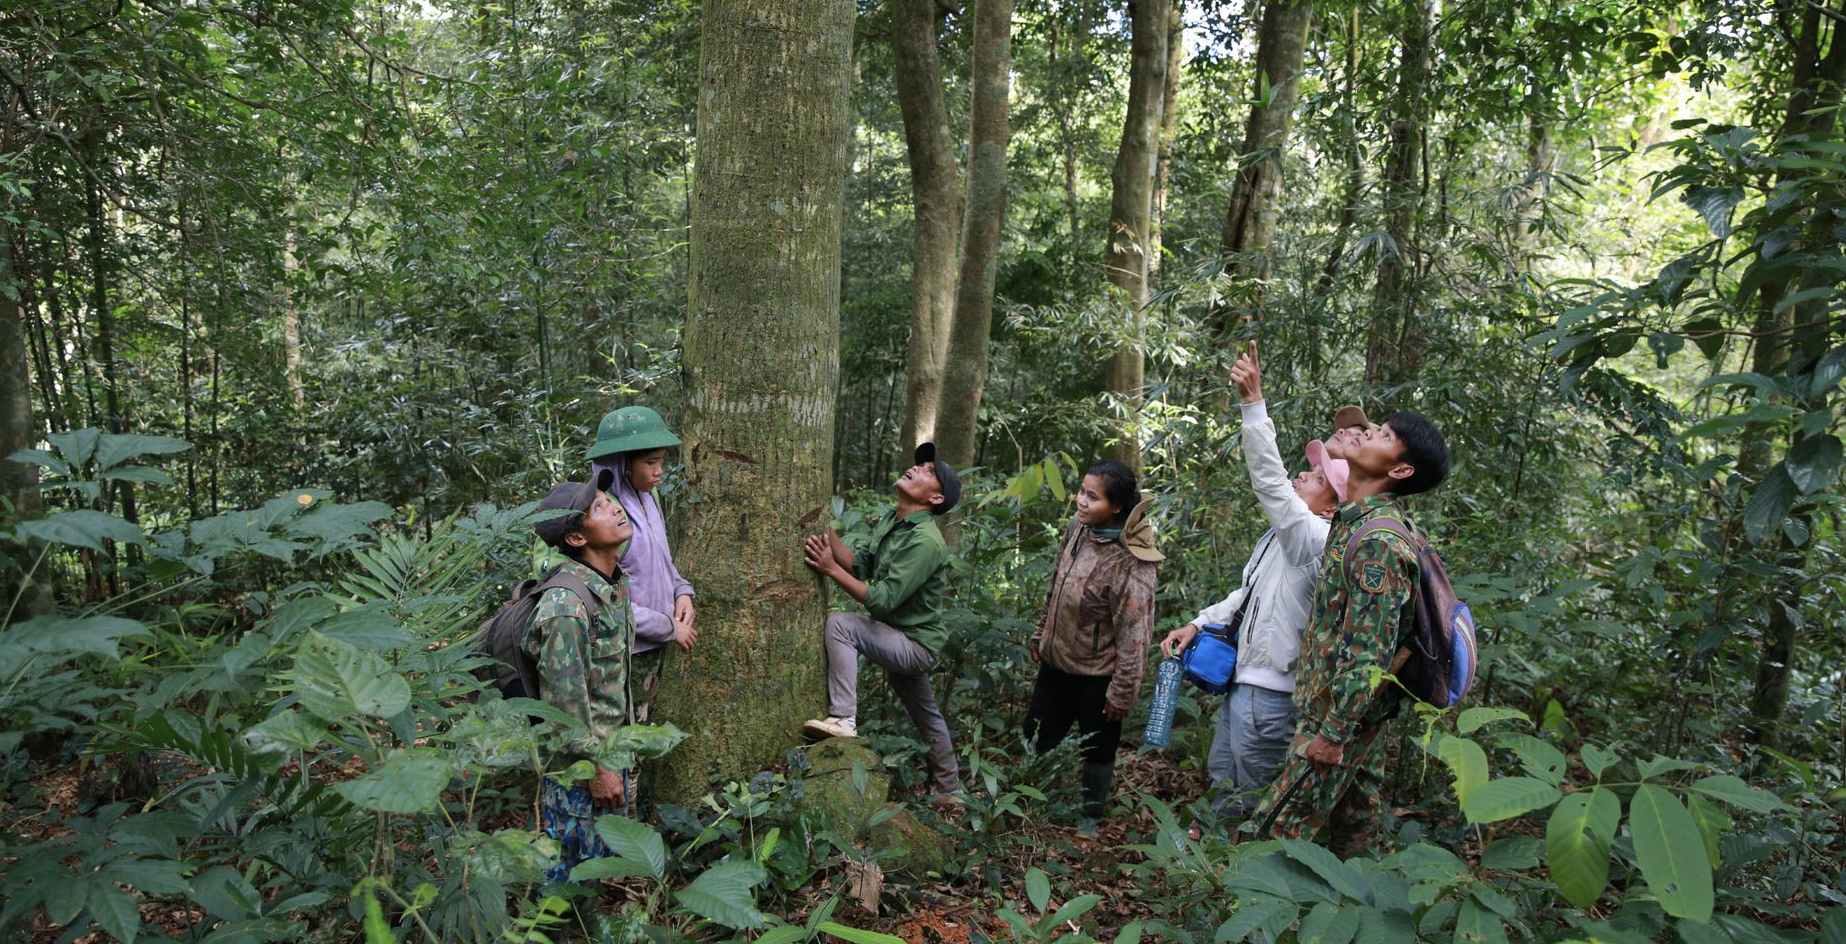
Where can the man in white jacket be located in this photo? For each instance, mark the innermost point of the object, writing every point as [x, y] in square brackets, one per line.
[1270, 610]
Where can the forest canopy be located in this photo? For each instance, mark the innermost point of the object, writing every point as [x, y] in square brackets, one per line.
[303, 305]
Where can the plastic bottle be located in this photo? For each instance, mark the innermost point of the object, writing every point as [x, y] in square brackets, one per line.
[1166, 698]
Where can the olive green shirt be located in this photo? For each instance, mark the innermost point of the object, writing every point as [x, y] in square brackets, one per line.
[905, 567]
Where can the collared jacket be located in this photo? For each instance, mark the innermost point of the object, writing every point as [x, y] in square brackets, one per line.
[1359, 612]
[1099, 609]
[1278, 579]
[583, 664]
[654, 581]
[906, 574]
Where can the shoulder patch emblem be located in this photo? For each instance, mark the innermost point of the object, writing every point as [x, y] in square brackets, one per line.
[1371, 576]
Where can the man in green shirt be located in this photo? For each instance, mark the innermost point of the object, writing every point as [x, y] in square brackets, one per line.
[900, 576]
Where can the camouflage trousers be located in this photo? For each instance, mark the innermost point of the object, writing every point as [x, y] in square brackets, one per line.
[568, 815]
[645, 680]
[1337, 808]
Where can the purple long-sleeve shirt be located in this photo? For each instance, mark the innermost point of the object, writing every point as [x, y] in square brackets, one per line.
[653, 582]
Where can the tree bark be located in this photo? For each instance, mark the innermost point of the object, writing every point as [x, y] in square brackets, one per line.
[1256, 194]
[965, 375]
[761, 365]
[1394, 347]
[1169, 129]
[935, 186]
[291, 302]
[18, 480]
[1800, 330]
[1131, 215]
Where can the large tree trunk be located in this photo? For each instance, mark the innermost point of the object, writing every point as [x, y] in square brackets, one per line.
[1801, 329]
[761, 364]
[935, 187]
[989, 131]
[1394, 347]
[1131, 214]
[291, 300]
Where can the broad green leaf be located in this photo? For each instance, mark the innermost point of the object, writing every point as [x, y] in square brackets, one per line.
[1038, 889]
[78, 446]
[410, 781]
[1467, 761]
[65, 898]
[285, 732]
[1828, 372]
[1344, 878]
[1814, 463]
[1054, 478]
[786, 934]
[1475, 924]
[856, 935]
[1598, 759]
[1254, 913]
[139, 473]
[1130, 934]
[369, 627]
[725, 893]
[1713, 825]
[1072, 909]
[40, 457]
[1774, 495]
[115, 911]
[615, 867]
[336, 681]
[1329, 924]
[1506, 798]
[1577, 842]
[635, 841]
[1539, 757]
[61, 635]
[1510, 853]
[1670, 854]
[1660, 764]
[1472, 719]
[1734, 791]
[1700, 932]
[83, 528]
[1833, 926]
[116, 448]
[1715, 205]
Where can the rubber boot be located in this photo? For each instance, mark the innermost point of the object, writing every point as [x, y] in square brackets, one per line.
[1098, 782]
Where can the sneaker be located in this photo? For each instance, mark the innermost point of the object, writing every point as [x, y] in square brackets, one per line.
[832, 727]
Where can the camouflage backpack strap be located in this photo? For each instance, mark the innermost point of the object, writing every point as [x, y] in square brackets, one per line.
[1394, 525]
[573, 583]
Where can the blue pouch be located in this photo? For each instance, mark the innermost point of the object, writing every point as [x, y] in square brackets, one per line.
[1211, 661]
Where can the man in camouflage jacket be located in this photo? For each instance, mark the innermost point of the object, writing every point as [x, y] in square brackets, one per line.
[1362, 598]
[582, 651]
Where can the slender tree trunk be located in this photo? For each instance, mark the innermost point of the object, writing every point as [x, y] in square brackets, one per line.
[1528, 208]
[291, 302]
[935, 186]
[18, 480]
[1800, 330]
[761, 361]
[1169, 129]
[989, 131]
[1394, 346]
[1349, 204]
[1067, 142]
[1131, 215]
[1256, 193]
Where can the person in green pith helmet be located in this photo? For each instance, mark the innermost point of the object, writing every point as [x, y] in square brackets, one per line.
[632, 444]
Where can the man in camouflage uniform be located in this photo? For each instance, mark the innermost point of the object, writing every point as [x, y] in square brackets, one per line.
[1336, 760]
[582, 651]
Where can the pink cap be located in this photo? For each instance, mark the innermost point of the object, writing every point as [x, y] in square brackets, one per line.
[1335, 469]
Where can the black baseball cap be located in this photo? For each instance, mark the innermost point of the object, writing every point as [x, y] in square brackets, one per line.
[945, 477]
[575, 497]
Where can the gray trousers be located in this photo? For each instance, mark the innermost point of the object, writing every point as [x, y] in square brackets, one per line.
[1249, 746]
[906, 666]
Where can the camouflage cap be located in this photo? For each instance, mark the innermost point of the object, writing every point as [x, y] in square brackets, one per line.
[573, 497]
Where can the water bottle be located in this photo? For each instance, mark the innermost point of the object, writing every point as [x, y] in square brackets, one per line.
[1166, 698]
